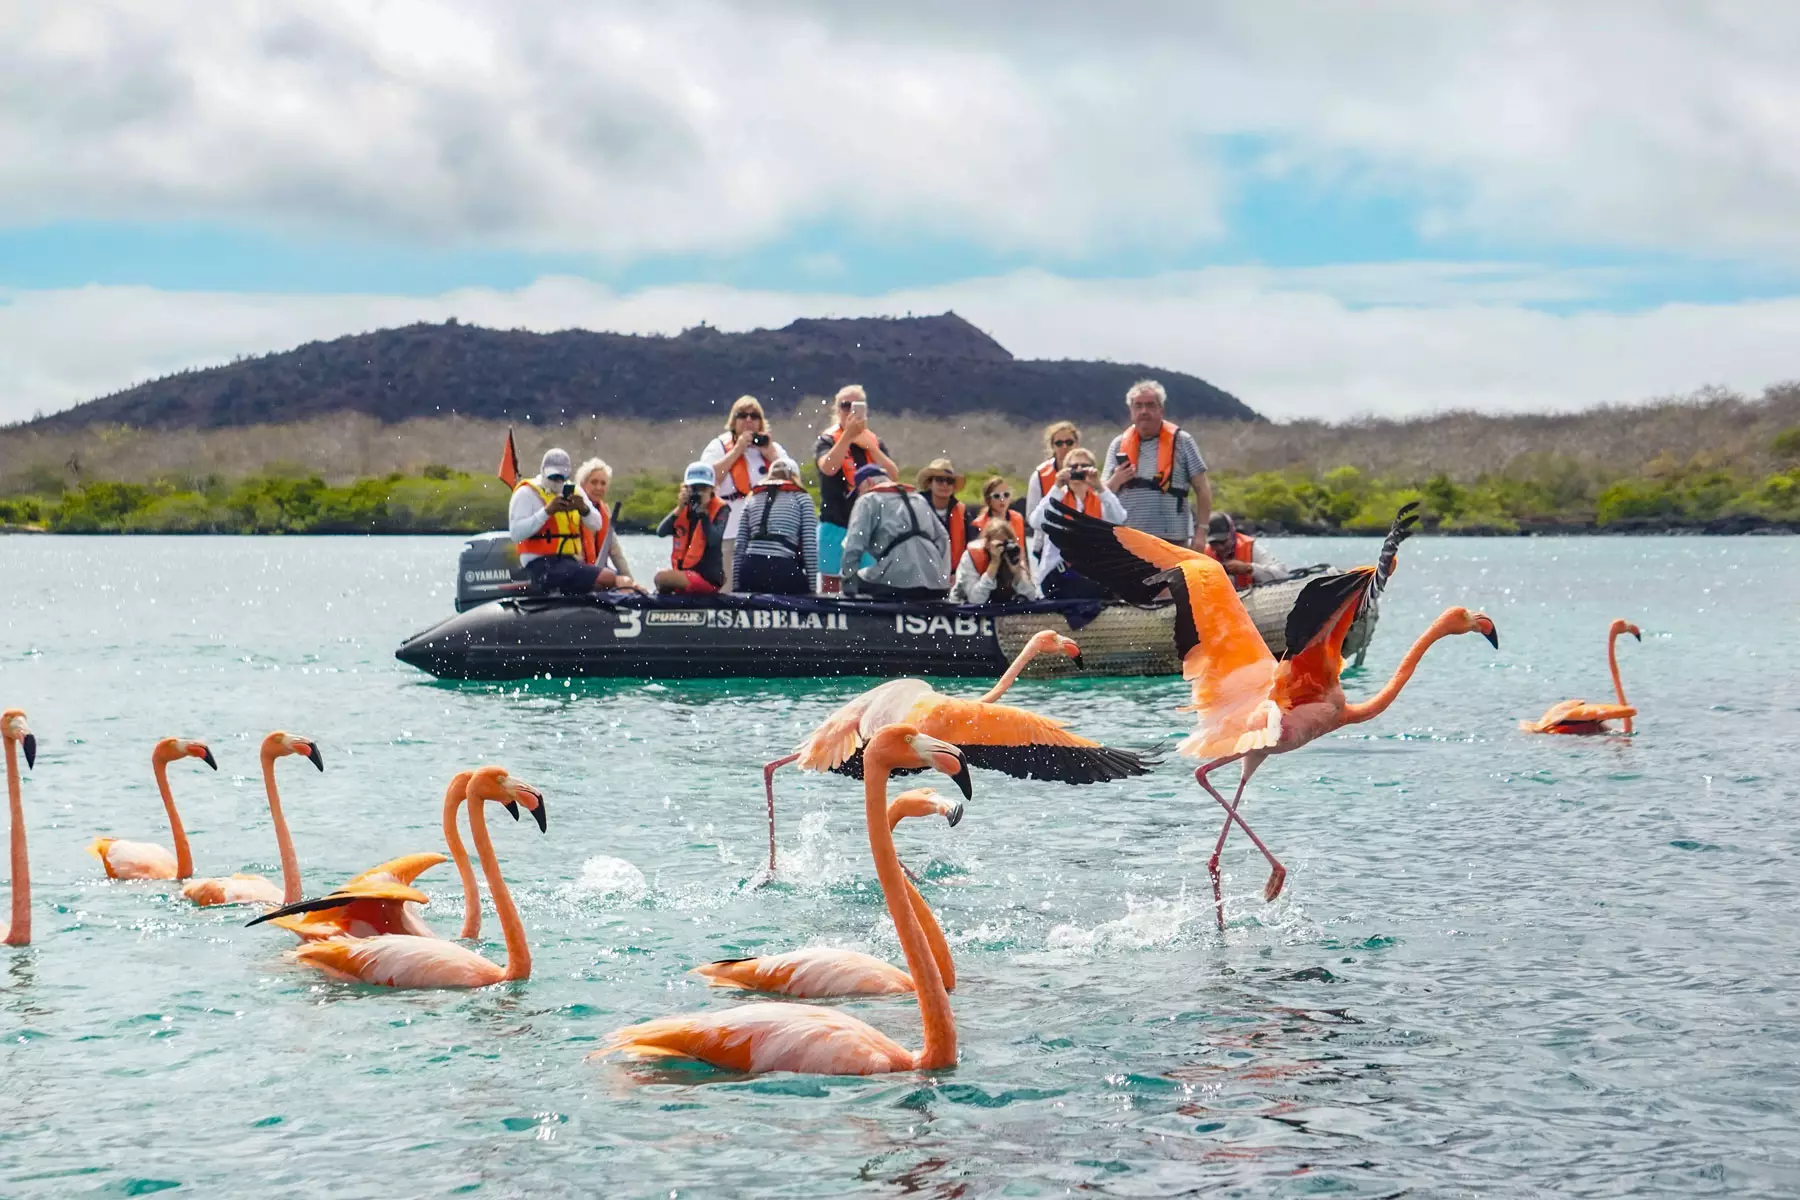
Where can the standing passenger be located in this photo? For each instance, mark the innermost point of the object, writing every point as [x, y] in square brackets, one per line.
[778, 539]
[1060, 438]
[1154, 466]
[740, 458]
[846, 446]
[1078, 486]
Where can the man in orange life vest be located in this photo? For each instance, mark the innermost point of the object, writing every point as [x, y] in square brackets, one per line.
[545, 518]
[1157, 472]
[1245, 559]
[697, 523]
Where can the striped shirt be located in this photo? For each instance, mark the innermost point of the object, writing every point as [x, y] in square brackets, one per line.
[1154, 511]
[792, 518]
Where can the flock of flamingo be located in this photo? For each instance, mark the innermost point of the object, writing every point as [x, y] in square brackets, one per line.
[1248, 703]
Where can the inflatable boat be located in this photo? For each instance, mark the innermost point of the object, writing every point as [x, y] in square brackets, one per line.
[503, 632]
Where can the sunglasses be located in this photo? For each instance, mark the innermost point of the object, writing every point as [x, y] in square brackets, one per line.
[747, 416]
[999, 495]
[1062, 443]
[557, 478]
[844, 405]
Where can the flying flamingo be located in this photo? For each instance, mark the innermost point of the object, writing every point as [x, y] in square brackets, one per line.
[1251, 706]
[1578, 716]
[146, 860]
[409, 961]
[995, 736]
[819, 971]
[376, 902]
[16, 734]
[254, 889]
[781, 1036]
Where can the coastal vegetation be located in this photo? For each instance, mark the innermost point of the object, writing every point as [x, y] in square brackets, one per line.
[1713, 460]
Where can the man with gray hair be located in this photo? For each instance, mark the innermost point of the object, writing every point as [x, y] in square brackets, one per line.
[546, 518]
[1156, 469]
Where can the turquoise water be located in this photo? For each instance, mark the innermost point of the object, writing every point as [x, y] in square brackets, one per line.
[1503, 965]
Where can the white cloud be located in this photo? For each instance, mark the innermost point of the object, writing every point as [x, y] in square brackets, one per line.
[1059, 128]
[1394, 339]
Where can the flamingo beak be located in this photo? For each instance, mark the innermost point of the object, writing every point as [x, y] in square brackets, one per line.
[955, 814]
[1492, 634]
[1636, 632]
[29, 742]
[208, 758]
[313, 756]
[537, 810]
[1078, 662]
[512, 806]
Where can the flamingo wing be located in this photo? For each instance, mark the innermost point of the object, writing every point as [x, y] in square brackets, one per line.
[232, 889]
[1122, 558]
[1325, 610]
[404, 869]
[758, 1038]
[1020, 743]
[809, 974]
[133, 860]
[1577, 714]
[841, 735]
[399, 960]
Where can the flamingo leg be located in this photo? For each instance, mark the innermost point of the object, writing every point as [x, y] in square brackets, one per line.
[1277, 872]
[769, 770]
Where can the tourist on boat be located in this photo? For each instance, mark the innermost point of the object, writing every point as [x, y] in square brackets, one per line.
[901, 533]
[777, 548]
[939, 483]
[546, 518]
[996, 505]
[1156, 471]
[697, 523]
[1245, 559]
[740, 458]
[592, 479]
[1060, 437]
[846, 445]
[1077, 485]
[995, 568]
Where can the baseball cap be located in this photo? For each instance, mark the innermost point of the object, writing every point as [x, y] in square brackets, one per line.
[556, 462]
[698, 474]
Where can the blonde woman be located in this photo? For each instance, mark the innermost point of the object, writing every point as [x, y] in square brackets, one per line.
[1079, 486]
[601, 547]
[1060, 437]
[740, 458]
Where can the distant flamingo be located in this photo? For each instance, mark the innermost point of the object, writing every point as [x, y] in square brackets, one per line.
[1250, 706]
[780, 1036]
[828, 971]
[409, 961]
[994, 736]
[16, 734]
[376, 902]
[1578, 716]
[254, 889]
[146, 860]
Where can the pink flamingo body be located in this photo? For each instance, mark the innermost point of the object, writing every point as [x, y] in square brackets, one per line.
[254, 889]
[17, 736]
[146, 860]
[1581, 717]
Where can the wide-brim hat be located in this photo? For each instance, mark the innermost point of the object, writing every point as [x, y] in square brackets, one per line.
[939, 468]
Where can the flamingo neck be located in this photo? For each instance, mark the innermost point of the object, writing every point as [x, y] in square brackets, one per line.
[290, 862]
[19, 932]
[934, 936]
[928, 984]
[1377, 704]
[1019, 664]
[459, 854]
[1612, 661]
[184, 857]
[518, 954]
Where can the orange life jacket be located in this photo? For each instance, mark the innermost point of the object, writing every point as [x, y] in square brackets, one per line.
[740, 470]
[1090, 505]
[1241, 550]
[856, 456]
[1046, 476]
[956, 523]
[980, 558]
[1015, 519]
[560, 532]
[1129, 446]
[594, 541]
[690, 536]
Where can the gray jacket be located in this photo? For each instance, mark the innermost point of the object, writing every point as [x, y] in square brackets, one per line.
[880, 525]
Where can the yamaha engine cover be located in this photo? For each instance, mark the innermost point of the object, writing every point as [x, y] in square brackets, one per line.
[489, 570]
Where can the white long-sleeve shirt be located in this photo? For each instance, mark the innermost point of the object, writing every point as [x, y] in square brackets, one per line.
[977, 587]
[1051, 559]
[757, 458]
[527, 514]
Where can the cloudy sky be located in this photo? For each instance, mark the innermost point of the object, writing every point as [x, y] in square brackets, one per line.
[1326, 208]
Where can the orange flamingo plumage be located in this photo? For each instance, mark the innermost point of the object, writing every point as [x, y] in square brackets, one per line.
[819, 971]
[1578, 716]
[1250, 705]
[998, 737]
[147, 860]
[782, 1036]
[254, 889]
[18, 736]
[410, 961]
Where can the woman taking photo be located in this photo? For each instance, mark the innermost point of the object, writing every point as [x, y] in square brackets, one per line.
[994, 569]
[740, 459]
[1078, 486]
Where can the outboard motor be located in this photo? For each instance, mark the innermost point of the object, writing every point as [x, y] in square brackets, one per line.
[489, 570]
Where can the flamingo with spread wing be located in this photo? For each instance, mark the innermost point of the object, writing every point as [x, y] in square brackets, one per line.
[1578, 716]
[1250, 705]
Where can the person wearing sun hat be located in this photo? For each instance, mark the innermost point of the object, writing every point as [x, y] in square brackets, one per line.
[940, 481]
[545, 518]
[697, 523]
[899, 530]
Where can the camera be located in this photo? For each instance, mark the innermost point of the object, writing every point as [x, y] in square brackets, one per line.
[568, 490]
[759, 439]
[1012, 553]
[1080, 472]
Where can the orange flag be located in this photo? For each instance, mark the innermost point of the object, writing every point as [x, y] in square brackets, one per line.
[509, 463]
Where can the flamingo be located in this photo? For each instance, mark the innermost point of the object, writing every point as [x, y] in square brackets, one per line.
[17, 735]
[781, 1036]
[254, 889]
[1578, 716]
[996, 736]
[376, 901]
[819, 971]
[1250, 706]
[146, 860]
[410, 961]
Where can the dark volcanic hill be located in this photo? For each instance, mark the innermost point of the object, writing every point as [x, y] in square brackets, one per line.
[928, 365]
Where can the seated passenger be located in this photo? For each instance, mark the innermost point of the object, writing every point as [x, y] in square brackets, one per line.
[1245, 559]
[996, 503]
[697, 523]
[546, 517]
[901, 532]
[1077, 485]
[592, 479]
[995, 568]
[939, 483]
[740, 458]
[778, 536]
